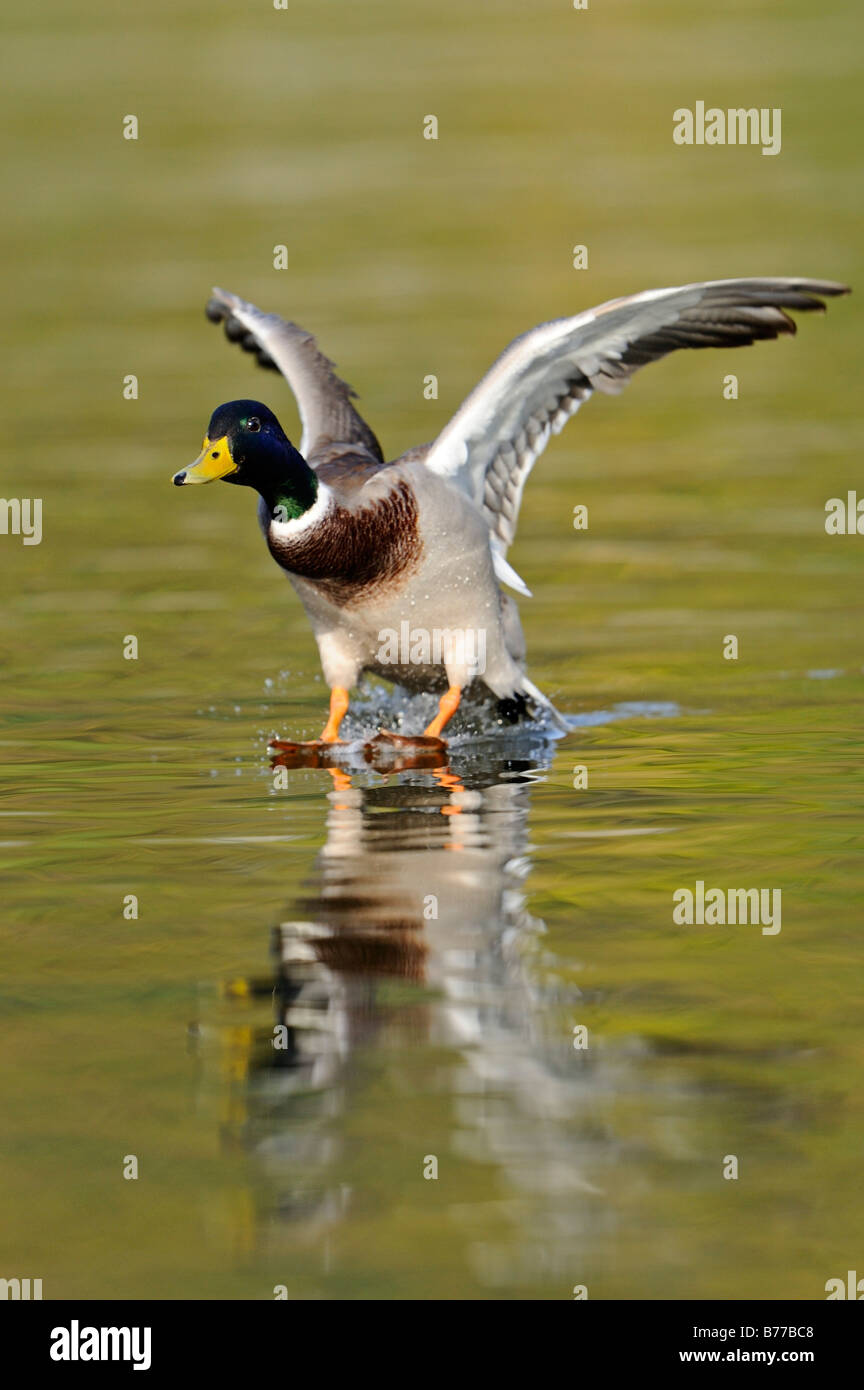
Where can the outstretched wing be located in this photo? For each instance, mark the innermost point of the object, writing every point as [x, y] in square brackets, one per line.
[323, 399]
[492, 442]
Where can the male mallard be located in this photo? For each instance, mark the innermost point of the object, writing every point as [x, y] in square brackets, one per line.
[417, 547]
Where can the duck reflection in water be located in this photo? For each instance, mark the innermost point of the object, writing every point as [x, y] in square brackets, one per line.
[412, 963]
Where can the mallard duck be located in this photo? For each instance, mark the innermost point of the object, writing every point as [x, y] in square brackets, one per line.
[387, 557]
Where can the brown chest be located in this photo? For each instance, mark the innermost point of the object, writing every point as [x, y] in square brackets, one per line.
[351, 555]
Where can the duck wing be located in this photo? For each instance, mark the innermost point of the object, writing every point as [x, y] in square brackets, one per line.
[328, 418]
[493, 441]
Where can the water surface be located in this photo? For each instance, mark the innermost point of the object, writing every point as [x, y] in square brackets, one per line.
[308, 907]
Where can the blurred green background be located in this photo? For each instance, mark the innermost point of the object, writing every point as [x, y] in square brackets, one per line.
[706, 517]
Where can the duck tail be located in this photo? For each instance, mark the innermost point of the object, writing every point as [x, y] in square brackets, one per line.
[538, 698]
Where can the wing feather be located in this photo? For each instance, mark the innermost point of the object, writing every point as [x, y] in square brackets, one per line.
[323, 399]
[493, 441]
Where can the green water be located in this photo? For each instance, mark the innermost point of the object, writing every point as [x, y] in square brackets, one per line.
[413, 1036]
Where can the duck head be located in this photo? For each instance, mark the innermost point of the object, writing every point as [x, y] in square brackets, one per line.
[245, 444]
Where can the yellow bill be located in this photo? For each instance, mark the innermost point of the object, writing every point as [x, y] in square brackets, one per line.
[213, 462]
